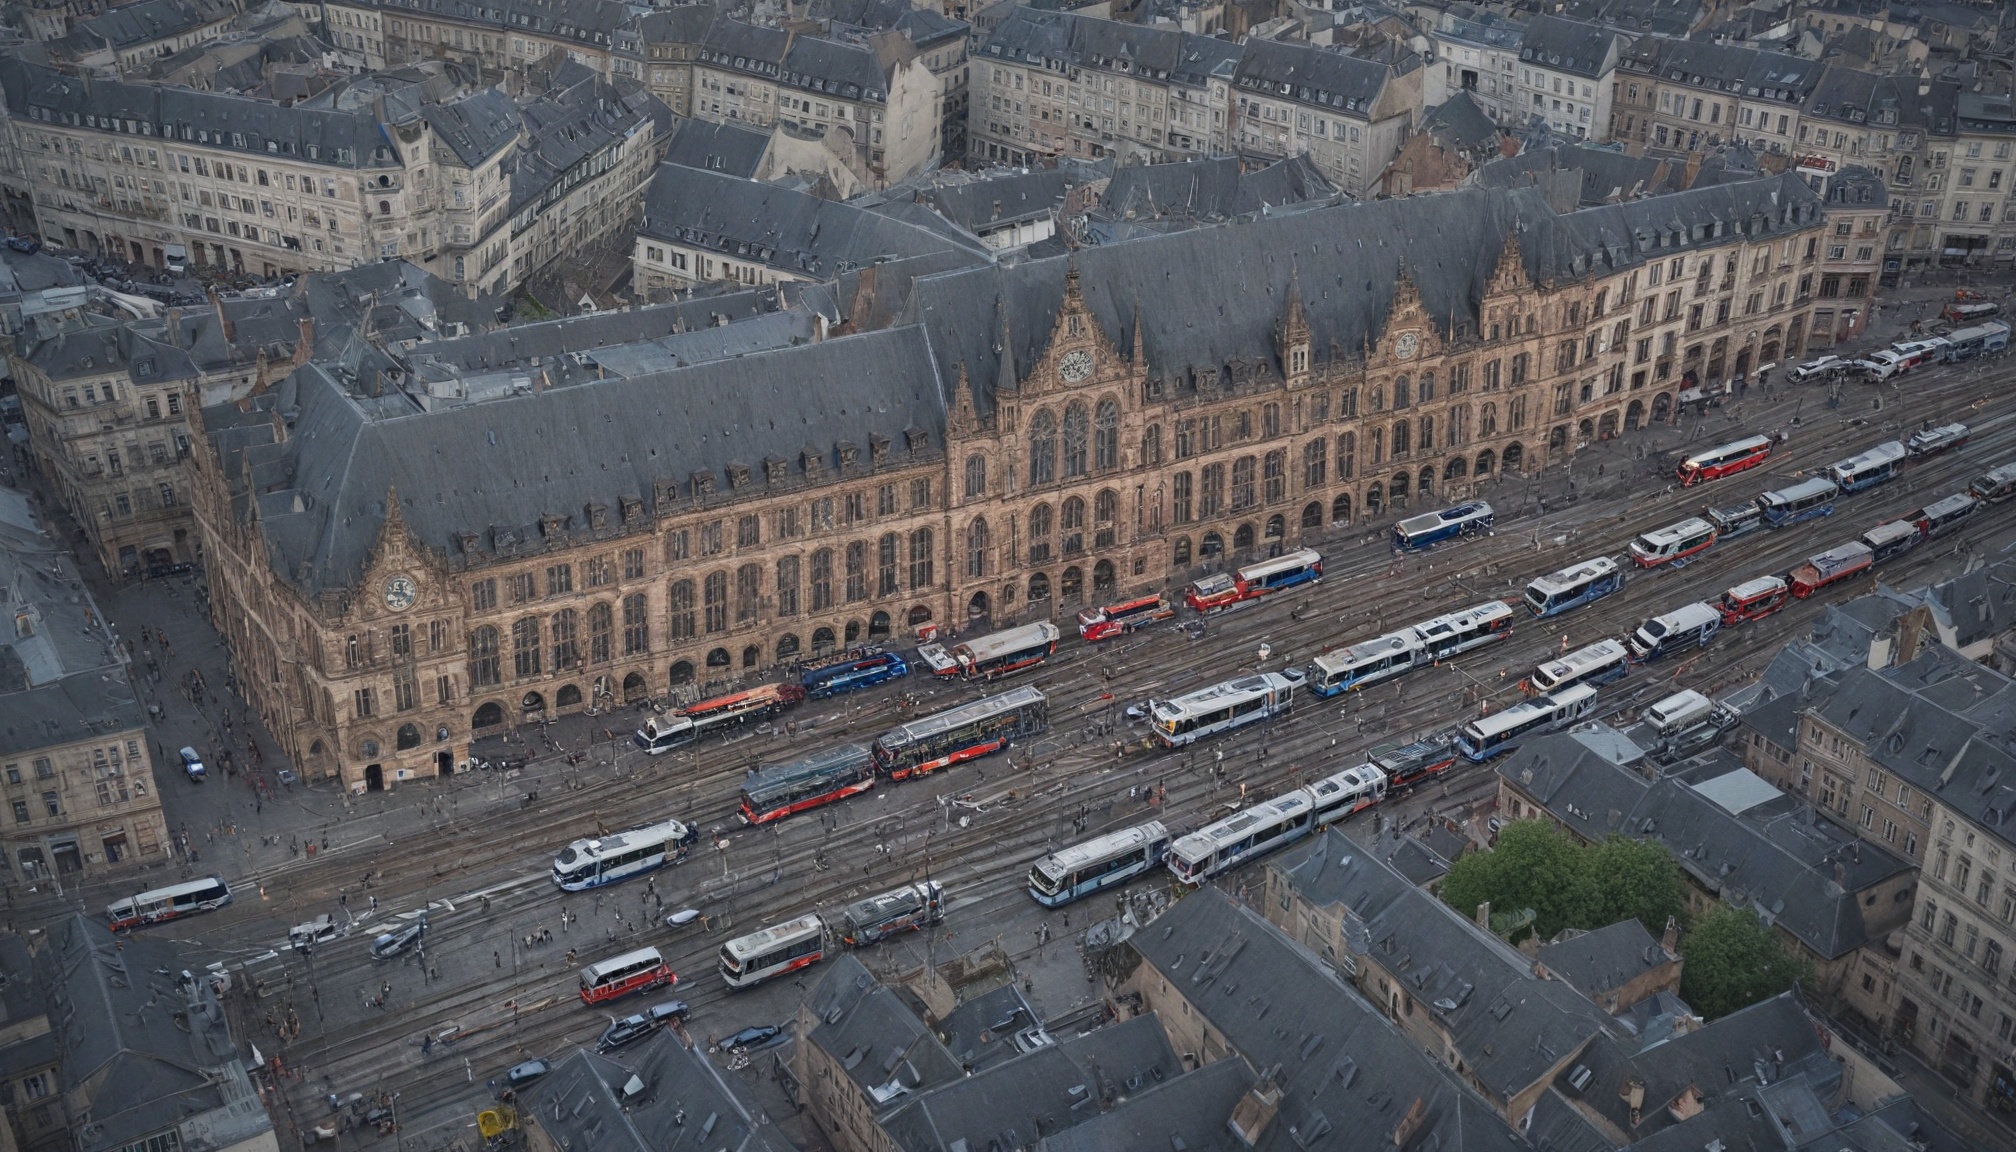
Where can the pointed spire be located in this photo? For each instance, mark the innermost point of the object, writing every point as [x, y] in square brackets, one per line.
[1071, 292]
[1510, 273]
[394, 518]
[1406, 295]
[1296, 320]
[964, 419]
[1005, 378]
[1137, 355]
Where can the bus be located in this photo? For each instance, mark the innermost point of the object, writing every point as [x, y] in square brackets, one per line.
[1678, 713]
[1893, 538]
[1243, 836]
[851, 672]
[1868, 469]
[775, 791]
[1724, 459]
[1347, 793]
[619, 976]
[1415, 760]
[1489, 736]
[956, 735]
[911, 908]
[1943, 516]
[1468, 519]
[1571, 588]
[1932, 441]
[1998, 485]
[685, 725]
[1605, 661]
[607, 859]
[1807, 500]
[1467, 628]
[1366, 662]
[1830, 567]
[1688, 625]
[1979, 340]
[1736, 519]
[747, 961]
[996, 654]
[1222, 707]
[1213, 593]
[1754, 599]
[1098, 864]
[1673, 542]
[170, 903]
[1097, 624]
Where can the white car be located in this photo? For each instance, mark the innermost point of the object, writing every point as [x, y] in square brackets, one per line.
[1820, 367]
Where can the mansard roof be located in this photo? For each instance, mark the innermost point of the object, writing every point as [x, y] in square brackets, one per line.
[1569, 46]
[1311, 75]
[1032, 36]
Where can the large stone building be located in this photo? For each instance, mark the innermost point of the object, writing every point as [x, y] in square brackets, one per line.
[939, 439]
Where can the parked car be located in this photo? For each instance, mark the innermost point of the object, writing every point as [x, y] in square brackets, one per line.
[320, 930]
[391, 944]
[754, 1037]
[668, 1011]
[523, 1074]
[628, 1030]
[1812, 369]
[192, 765]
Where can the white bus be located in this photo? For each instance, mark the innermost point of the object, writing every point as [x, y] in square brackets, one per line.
[619, 976]
[185, 899]
[1222, 707]
[911, 908]
[1997, 485]
[1598, 663]
[1806, 500]
[1688, 625]
[607, 859]
[1868, 469]
[1242, 836]
[1098, 864]
[996, 654]
[1571, 588]
[1347, 793]
[1673, 542]
[1490, 736]
[1467, 628]
[1366, 662]
[774, 951]
[1678, 713]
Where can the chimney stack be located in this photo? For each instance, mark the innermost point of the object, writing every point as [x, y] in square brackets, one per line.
[304, 345]
[1410, 1124]
[223, 318]
[1670, 939]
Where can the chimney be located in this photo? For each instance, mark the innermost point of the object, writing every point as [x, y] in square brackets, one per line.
[1484, 916]
[1911, 632]
[1254, 1112]
[1410, 1125]
[1840, 874]
[223, 318]
[1670, 939]
[304, 345]
[174, 327]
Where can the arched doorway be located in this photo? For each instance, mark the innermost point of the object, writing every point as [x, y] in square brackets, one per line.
[1277, 526]
[1769, 351]
[320, 764]
[1515, 455]
[751, 656]
[1071, 586]
[1743, 363]
[1039, 587]
[567, 697]
[1312, 515]
[374, 777]
[787, 646]
[718, 659]
[1485, 460]
[1456, 469]
[823, 641]
[977, 607]
[444, 763]
[1557, 438]
[1586, 430]
[1340, 509]
[1103, 576]
[633, 684]
[1213, 545]
[1396, 489]
[408, 737]
[681, 674]
[878, 625]
[1425, 482]
[1607, 426]
[489, 715]
[533, 706]
[919, 615]
[1662, 407]
[853, 631]
[1242, 537]
[1634, 415]
[1375, 501]
[1179, 553]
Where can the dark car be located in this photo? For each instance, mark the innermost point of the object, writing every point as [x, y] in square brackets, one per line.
[523, 1074]
[754, 1037]
[668, 1011]
[391, 944]
[628, 1030]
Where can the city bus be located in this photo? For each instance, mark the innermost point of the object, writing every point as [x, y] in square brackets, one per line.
[1997, 485]
[1605, 661]
[1688, 625]
[1754, 599]
[170, 903]
[775, 791]
[607, 859]
[1678, 713]
[1944, 515]
[1213, 593]
[1098, 864]
[1464, 629]
[1097, 624]
[619, 976]
[747, 961]
[1468, 519]
[664, 733]
[966, 732]
[1571, 588]
[1892, 538]
[1415, 760]
[1868, 469]
[1243, 836]
[1490, 736]
[1222, 707]
[1673, 542]
[1979, 340]
[1830, 567]
[1932, 441]
[851, 672]
[1809, 499]
[1736, 519]
[1347, 793]
[1724, 460]
[994, 655]
[911, 908]
[1366, 662]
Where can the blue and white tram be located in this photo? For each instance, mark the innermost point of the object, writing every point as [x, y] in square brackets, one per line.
[1348, 792]
[1491, 736]
[1464, 629]
[1470, 519]
[1222, 707]
[607, 859]
[1243, 836]
[1098, 864]
[1868, 469]
[1367, 662]
[861, 670]
[1571, 588]
[1599, 663]
[1807, 500]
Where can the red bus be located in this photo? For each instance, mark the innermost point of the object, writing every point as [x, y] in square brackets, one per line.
[1830, 567]
[1118, 619]
[779, 790]
[662, 734]
[1302, 566]
[1754, 599]
[1724, 459]
[994, 655]
[618, 976]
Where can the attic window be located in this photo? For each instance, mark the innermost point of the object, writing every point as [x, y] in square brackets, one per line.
[849, 453]
[773, 468]
[550, 526]
[916, 439]
[632, 508]
[465, 542]
[878, 448]
[703, 483]
[738, 474]
[813, 462]
[598, 515]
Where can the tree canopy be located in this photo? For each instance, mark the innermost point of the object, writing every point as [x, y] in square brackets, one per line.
[1733, 961]
[1568, 885]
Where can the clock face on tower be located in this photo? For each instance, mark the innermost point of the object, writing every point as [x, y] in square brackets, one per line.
[1406, 344]
[1075, 366]
[400, 593]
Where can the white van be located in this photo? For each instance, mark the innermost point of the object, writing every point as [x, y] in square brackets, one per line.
[1678, 713]
[1691, 626]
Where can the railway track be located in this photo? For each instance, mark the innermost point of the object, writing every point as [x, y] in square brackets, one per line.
[977, 827]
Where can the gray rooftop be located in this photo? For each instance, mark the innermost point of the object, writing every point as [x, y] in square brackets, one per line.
[877, 1036]
[1211, 190]
[725, 146]
[1604, 959]
[684, 1103]
[1572, 46]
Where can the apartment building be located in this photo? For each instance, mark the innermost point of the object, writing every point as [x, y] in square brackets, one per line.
[501, 37]
[1565, 76]
[1479, 56]
[130, 38]
[1687, 95]
[1348, 115]
[1973, 176]
[1858, 213]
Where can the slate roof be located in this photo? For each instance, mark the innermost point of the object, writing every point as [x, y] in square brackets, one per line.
[574, 122]
[1460, 124]
[1736, 69]
[728, 147]
[147, 22]
[1603, 959]
[104, 349]
[1311, 75]
[924, 26]
[981, 205]
[1345, 1072]
[1976, 606]
[1555, 1125]
[1210, 190]
[1604, 175]
[589, 22]
[687, 1105]
[981, 1032]
[1033, 36]
[547, 343]
[796, 233]
[1664, 17]
[1570, 46]
[1192, 1107]
[877, 1038]
[476, 127]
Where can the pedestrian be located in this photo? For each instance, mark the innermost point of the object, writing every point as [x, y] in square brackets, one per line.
[374, 903]
[343, 898]
[496, 960]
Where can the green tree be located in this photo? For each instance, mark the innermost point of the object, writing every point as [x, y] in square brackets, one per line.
[1568, 885]
[1733, 961]
[1634, 879]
